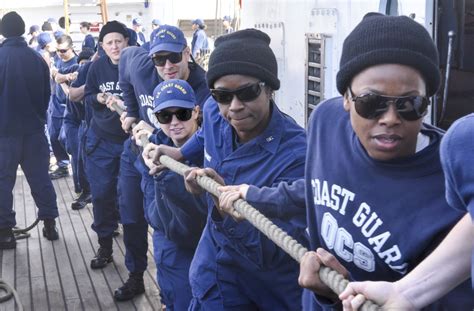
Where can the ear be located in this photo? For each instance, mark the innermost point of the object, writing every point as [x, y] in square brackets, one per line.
[196, 111]
[347, 102]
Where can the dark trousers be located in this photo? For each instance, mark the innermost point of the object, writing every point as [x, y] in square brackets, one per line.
[102, 168]
[132, 203]
[54, 128]
[32, 153]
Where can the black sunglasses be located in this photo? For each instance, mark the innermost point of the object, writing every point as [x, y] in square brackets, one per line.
[372, 106]
[182, 114]
[245, 93]
[160, 60]
[62, 51]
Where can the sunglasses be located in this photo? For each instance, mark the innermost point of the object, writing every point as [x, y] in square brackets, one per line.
[372, 106]
[62, 51]
[160, 60]
[165, 117]
[246, 93]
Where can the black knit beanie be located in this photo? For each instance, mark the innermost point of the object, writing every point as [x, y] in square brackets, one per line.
[12, 25]
[113, 26]
[380, 39]
[245, 52]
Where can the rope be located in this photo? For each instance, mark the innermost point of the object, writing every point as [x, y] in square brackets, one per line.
[334, 280]
[21, 233]
[10, 292]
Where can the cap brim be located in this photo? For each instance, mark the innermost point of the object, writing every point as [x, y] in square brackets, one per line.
[167, 47]
[174, 103]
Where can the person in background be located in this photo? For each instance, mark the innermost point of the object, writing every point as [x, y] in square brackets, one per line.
[24, 98]
[105, 138]
[34, 32]
[88, 41]
[47, 27]
[54, 24]
[66, 58]
[46, 47]
[155, 24]
[199, 45]
[137, 26]
[226, 21]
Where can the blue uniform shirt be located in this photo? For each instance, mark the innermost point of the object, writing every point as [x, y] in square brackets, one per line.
[60, 98]
[199, 42]
[178, 214]
[24, 97]
[88, 42]
[103, 77]
[274, 156]
[380, 219]
[457, 154]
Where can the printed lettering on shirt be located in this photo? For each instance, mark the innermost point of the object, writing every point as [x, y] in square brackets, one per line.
[110, 86]
[370, 225]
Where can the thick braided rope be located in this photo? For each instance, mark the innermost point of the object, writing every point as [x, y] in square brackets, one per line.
[334, 280]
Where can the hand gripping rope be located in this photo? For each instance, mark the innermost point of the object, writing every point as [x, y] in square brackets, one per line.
[328, 276]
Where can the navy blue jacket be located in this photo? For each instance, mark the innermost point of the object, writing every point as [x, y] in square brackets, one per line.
[178, 214]
[103, 77]
[380, 219]
[275, 156]
[88, 42]
[84, 111]
[457, 151]
[59, 100]
[24, 89]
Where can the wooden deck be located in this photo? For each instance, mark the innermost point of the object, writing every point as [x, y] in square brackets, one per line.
[56, 275]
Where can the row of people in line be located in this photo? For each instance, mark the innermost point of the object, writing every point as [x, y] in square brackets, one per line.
[349, 187]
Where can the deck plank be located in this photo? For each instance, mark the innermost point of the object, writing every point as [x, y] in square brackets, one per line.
[55, 275]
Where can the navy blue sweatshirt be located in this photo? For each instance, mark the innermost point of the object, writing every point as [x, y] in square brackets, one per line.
[379, 218]
[103, 77]
[24, 89]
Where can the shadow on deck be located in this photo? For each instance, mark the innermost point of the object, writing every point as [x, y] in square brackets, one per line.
[56, 275]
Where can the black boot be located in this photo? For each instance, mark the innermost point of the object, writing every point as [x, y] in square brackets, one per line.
[133, 286]
[82, 201]
[49, 230]
[59, 173]
[7, 239]
[104, 253]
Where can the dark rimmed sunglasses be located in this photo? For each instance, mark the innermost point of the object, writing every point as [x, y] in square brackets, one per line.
[245, 93]
[372, 106]
[62, 51]
[160, 60]
[182, 114]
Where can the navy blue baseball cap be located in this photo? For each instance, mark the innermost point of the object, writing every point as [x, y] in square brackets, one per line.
[43, 39]
[198, 22]
[34, 28]
[156, 22]
[169, 39]
[173, 93]
[137, 21]
[227, 18]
